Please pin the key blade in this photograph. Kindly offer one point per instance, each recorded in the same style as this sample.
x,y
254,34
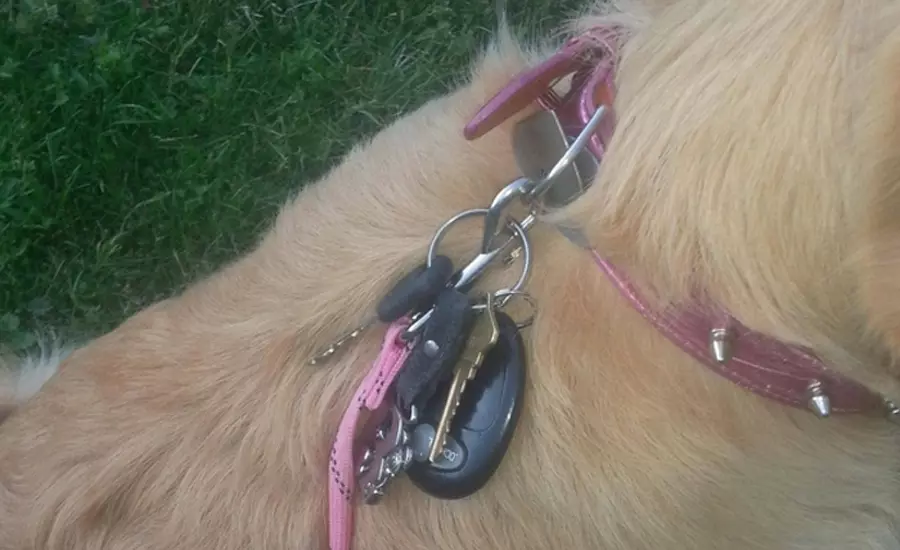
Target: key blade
x,y
460,377
335,348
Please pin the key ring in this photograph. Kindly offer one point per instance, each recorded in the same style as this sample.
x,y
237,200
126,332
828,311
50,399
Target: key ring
x,y
505,295
517,228
439,234
526,268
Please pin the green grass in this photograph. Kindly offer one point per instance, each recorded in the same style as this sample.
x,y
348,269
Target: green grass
x,y
142,147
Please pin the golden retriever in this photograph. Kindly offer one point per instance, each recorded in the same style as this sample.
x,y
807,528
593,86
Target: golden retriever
x,y
756,156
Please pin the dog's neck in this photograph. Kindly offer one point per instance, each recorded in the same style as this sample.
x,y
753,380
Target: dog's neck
x,y
788,374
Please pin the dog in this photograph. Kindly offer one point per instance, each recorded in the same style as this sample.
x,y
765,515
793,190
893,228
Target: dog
x,y
755,159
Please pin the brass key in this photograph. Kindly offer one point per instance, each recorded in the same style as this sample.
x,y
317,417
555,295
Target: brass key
x,y
484,336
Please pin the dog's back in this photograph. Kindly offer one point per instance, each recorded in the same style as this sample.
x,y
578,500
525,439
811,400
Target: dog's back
x,y
752,157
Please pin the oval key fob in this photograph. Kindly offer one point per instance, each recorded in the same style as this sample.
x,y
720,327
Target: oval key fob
x,y
480,433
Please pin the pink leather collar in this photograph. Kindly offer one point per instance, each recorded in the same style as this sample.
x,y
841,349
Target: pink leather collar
x,y
788,374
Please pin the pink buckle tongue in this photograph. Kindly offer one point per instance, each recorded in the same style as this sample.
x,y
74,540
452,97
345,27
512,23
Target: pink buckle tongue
x,y
525,90
590,60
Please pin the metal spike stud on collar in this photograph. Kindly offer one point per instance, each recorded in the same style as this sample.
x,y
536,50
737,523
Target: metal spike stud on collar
x,y
819,402
720,344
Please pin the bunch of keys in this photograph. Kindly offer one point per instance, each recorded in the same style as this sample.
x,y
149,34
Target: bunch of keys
x,y
459,428
459,395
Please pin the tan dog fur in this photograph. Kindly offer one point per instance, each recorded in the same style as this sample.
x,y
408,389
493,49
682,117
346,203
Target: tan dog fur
x,y
757,155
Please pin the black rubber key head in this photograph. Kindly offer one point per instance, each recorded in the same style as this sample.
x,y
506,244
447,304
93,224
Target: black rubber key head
x,y
415,290
438,349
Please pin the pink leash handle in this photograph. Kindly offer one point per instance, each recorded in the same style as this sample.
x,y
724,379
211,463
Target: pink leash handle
x,y
370,395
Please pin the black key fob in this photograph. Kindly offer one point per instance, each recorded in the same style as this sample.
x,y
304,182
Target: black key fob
x,y
482,429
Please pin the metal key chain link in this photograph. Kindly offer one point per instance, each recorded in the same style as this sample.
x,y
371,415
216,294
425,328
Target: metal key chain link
x,y
389,456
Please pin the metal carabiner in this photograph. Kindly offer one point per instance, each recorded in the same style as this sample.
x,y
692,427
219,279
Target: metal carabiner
x,y
518,189
569,157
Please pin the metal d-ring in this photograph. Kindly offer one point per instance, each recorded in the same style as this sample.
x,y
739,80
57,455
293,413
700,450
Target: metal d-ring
x,y
569,157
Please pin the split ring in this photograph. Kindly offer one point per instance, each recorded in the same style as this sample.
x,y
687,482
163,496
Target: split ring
x,y
482,260
439,235
506,295
526,268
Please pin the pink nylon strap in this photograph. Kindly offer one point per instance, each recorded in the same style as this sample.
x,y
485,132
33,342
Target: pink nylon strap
x,y
369,396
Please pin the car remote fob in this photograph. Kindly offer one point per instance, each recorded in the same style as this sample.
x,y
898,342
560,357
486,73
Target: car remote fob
x,y
484,424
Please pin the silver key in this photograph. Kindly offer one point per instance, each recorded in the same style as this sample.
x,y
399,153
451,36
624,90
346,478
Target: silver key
x,y
328,353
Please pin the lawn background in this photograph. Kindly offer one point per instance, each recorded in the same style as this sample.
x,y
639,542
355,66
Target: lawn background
x,y
142,146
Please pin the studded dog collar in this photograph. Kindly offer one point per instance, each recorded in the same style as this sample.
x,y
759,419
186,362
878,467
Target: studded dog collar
x,y
788,374
558,149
